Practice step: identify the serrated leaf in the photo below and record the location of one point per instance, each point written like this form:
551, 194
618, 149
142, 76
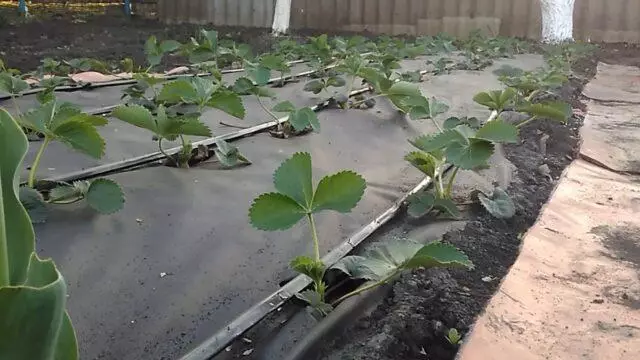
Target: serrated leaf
12, 84
33, 202
243, 86
429, 143
420, 204
454, 122
360, 267
81, 136
314, 299
308, 266
471, 155
274, 62
340, 192
303, 118
169, 46
446, 206
285, 106
260, 74
194, 127
496, 99
228, 102
274, 211
229, 155
294, 179
314, 86
105, 196
65, 194
499, 204
554, 110
437, 108
135, 115
425, 162
437, 254
177, 91
336, 81
498, 131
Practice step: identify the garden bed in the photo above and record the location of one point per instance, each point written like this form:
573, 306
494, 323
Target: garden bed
181, 260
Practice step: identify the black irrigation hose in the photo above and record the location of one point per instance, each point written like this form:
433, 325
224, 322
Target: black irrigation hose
71, 88
219, 341
110, 168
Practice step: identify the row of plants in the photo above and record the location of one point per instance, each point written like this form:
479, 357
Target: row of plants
34, 291
172, 110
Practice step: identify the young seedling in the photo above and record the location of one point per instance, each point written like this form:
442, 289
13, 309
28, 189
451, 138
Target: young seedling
32, 291
453, 337
296, 198
532, 84
277, 63
299, 121
155, 50
320, 56
65, 123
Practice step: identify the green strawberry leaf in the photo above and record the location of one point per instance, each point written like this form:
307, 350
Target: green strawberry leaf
471, 155
340, 192
420, 204
425, 162
285, 106
11, 84
314, 299
194, 127
447, 206
308, 266
314, 86
430, 143
135, 115
294, 179
81, 136
105, 196
178, 91
437, 254
274, 211
229, 155
260, 74
499, 204
229, 102
303, 118
554, 110
498, 131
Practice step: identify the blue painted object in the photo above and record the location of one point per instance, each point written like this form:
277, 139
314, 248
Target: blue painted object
22, 8
127, 7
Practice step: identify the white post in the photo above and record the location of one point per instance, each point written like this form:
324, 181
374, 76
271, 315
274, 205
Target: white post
557, 20
281, 17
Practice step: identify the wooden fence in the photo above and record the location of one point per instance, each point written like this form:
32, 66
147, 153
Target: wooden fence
595, 20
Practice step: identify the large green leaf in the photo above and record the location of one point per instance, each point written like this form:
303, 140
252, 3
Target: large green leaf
404, 95
192, 126
32, 291
420, 204
81, 136
229, 102
105, 196
471, 155
304, 118
294, 179
429, 143
16, 231
496, 99
386, 259
554, 110
498, 131
285, 106
437, 254
308, 266
340, 192
135, 115
229, 155
273, 211
178, 91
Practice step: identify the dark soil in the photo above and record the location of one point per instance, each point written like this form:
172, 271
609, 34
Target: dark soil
108, 37
412, 322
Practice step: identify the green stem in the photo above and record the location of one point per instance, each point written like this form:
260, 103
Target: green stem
349, 89
436, 124
163, 152
314, 236
276, 118
16, 106
36, 162
450, 185
4, 253
183, 160
526, 122
362, 289
372, 97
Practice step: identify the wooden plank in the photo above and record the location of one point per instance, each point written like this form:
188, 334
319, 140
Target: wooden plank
329, 16
193, 7
435, 10
519, 18
417, 11
245, 13
534, 21
219, 12
355, 11
400, 16
313, 10
485, 8
631, 22
465, 7
342, 13
370, 13
450, 10
232, 13
385, 12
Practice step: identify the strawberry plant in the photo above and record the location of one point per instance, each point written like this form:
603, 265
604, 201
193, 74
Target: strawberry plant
65, 123
466, 144
296, 198
532, 84
33, 292
174, 112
